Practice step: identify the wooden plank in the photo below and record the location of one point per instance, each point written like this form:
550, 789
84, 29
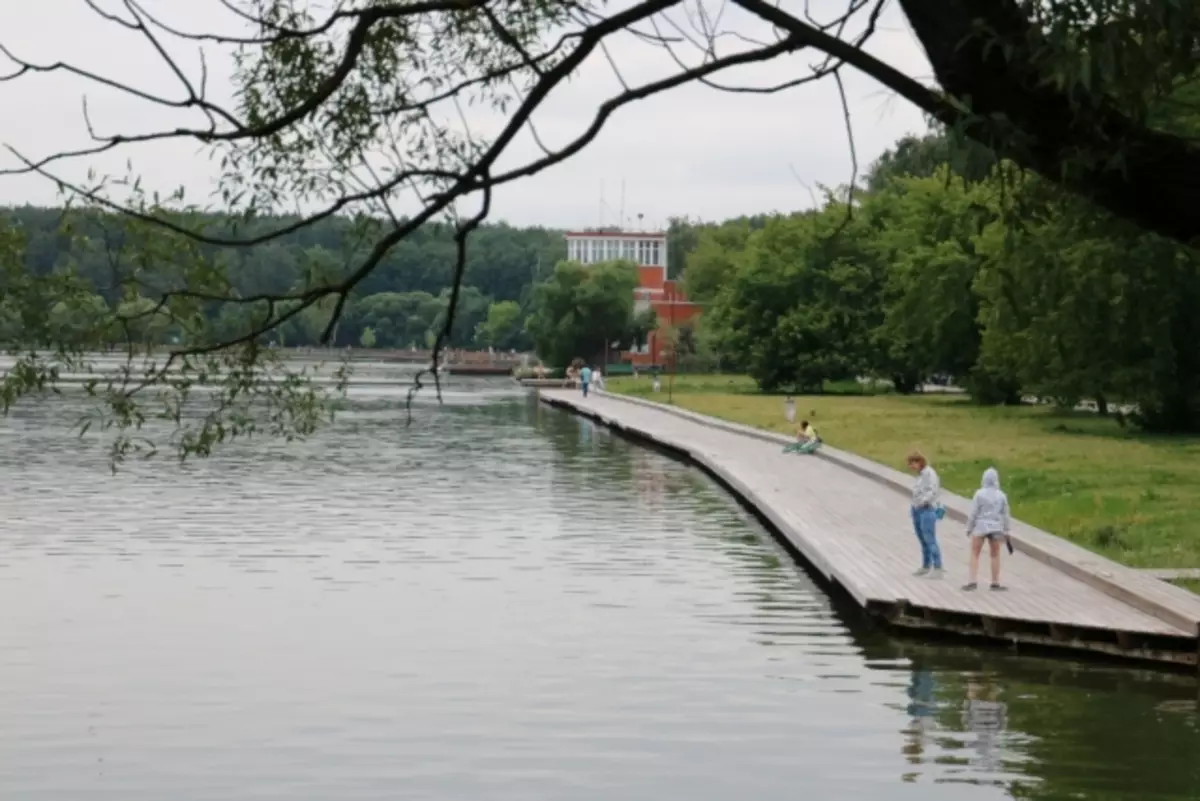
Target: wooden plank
855, 530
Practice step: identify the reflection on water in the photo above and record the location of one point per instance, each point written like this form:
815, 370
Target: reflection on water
500, 602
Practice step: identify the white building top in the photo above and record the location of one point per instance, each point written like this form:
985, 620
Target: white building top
644, 249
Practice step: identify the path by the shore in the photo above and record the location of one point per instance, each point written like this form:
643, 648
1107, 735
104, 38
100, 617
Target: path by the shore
848, 518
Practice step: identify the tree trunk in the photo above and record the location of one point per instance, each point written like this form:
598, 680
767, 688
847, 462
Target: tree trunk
1073, 140
905, 384
1101, 405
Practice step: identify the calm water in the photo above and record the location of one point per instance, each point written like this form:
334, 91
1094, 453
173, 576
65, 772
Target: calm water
499, 602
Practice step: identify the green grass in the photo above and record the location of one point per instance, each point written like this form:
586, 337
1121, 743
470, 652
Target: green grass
1134, 498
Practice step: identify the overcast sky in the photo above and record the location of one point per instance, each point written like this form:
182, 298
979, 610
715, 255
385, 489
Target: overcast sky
692, 152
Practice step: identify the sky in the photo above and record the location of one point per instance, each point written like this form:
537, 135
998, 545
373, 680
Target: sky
692, 152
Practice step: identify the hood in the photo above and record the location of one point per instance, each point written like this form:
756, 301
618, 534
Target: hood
991, 479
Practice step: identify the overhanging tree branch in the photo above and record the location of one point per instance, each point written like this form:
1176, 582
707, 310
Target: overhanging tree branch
342, 112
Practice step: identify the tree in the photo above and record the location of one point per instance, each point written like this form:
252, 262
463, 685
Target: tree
471, 308
941, 151
581, 310
691, 350
367, 338
801, 307
644, 322
711, 263
504, 328
923, 230
341, 110
1081, 305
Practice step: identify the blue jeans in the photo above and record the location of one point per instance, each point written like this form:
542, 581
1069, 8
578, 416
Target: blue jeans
584, 385
925, 525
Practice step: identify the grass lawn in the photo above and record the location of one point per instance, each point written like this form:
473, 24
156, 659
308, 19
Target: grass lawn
1134, 498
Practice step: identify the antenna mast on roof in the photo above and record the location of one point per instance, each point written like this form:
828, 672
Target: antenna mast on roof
621, 215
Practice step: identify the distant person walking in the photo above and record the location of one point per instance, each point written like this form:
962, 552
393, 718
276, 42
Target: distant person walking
585, 378
598, 380
789, 409
988, 521
657, 383
925, 496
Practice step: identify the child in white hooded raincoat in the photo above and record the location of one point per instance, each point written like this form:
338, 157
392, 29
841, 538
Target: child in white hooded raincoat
988, 522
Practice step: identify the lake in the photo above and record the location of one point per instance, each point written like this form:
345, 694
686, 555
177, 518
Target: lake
499, 601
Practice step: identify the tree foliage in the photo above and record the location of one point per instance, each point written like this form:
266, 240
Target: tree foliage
580, 311
1005, 282
791, 313
504, 328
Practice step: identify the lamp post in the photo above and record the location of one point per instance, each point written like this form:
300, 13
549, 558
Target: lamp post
673, 344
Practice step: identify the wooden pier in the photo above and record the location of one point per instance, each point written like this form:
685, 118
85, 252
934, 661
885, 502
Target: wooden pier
847, 519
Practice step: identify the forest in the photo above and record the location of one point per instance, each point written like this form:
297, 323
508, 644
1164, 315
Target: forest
401, 304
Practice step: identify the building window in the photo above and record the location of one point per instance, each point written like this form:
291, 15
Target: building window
641, 251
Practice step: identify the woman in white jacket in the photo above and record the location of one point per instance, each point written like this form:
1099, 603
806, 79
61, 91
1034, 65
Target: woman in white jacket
989, 521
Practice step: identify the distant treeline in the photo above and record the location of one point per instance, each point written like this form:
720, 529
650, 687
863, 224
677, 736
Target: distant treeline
401, 303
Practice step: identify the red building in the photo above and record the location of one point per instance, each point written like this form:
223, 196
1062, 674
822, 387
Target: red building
654, 291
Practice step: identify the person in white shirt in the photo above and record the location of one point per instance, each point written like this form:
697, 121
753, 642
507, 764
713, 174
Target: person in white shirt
925, 496
597, 380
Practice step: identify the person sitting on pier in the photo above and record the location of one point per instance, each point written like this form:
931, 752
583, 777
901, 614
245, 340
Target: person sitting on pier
989, 520
807, 439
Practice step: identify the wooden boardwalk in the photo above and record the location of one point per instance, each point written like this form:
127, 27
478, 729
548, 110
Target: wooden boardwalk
848, 519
